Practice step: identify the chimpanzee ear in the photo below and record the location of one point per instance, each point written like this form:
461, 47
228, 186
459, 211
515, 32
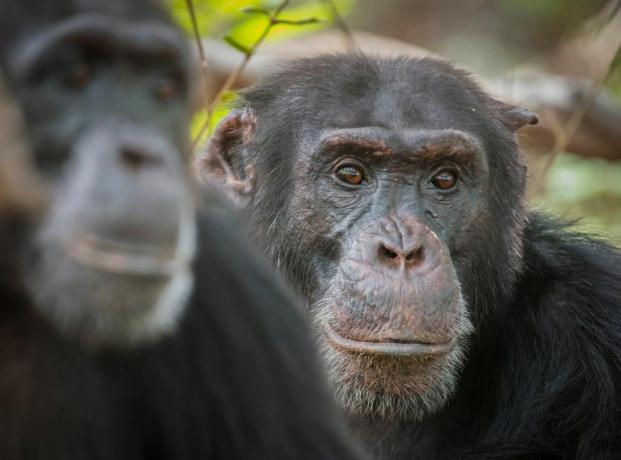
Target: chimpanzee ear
224, 162
514, 117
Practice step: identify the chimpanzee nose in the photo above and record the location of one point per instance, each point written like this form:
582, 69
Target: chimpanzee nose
136, 157
408, 255
398, 247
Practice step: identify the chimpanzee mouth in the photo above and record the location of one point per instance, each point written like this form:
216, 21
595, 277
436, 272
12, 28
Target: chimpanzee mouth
387, 347
124, 259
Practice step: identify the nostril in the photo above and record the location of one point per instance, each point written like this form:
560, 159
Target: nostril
135, 158
414, 257
394, 257
388, 253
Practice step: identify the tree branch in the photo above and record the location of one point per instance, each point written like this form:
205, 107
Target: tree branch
201, 53
350, 42
566, 134
248, 52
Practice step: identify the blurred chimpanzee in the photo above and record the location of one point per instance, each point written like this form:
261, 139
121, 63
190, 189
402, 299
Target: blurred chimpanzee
454, 323
134, 323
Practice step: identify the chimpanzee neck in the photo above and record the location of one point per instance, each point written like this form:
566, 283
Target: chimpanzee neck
393, 439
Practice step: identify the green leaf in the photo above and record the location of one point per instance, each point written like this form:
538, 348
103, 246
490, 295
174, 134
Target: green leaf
299, 22
254, 10
235, 44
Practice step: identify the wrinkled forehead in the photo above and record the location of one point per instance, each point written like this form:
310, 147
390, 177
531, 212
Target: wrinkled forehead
395, 107
394, 100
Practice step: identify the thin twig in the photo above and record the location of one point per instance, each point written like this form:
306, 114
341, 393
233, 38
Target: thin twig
350, 42
566, 135
201, 53
234, 76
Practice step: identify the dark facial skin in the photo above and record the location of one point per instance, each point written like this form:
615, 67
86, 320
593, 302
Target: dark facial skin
105, 105
373, 193
392, 311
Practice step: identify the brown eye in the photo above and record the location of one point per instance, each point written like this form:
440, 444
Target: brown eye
445, 179
78, 76
167, 90
350, 174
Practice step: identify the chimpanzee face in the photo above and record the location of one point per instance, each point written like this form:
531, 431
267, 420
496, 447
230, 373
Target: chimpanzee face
105, 103
393, 204
387, 180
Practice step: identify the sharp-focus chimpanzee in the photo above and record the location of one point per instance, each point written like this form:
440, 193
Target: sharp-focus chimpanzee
134, 323
454, 323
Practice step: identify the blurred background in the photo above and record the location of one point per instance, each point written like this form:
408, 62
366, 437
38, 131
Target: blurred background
559, 58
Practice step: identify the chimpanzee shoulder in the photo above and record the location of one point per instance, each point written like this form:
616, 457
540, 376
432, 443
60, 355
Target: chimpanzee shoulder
557, 356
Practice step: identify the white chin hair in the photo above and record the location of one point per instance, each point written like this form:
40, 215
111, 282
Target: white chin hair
107, 309
357, 399
167, 311
440, 378
174, 297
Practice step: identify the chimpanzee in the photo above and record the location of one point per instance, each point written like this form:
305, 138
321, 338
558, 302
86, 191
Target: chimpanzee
454, 323
134, 321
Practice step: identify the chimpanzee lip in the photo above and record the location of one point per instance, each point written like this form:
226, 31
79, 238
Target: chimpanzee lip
119, 258
390, 348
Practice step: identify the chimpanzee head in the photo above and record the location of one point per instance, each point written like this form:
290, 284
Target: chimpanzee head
103, 87
389, 193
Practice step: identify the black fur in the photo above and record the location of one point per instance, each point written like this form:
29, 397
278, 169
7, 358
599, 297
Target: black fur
239, 379
542, 377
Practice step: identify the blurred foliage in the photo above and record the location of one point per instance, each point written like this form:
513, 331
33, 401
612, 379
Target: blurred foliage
486, 35
613, 82
221, 18
586, 190
217, 18
219, 112
548, 21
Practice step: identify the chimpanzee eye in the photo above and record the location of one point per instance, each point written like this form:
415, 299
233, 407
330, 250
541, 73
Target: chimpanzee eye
350, 174
167, 89
444, 179
77, 76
